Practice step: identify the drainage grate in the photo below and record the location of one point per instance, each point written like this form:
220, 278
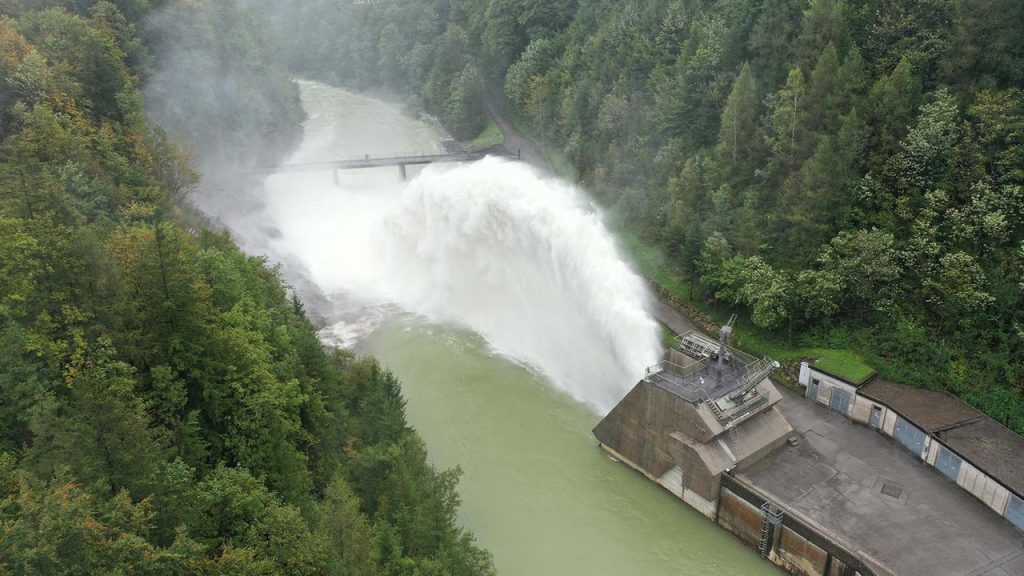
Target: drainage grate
892, 490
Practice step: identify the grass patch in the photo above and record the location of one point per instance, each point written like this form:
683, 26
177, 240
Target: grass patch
652, 263
668, 337
564, 167
842, 363
491, 136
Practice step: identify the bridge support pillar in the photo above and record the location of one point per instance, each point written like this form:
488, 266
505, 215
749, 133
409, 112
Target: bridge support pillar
334, 173
401, 170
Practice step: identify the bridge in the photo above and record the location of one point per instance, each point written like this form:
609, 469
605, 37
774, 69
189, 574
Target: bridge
368, 161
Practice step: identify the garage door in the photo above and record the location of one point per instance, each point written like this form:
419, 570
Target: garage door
840, 401
948, 463
1015, 512
910, 436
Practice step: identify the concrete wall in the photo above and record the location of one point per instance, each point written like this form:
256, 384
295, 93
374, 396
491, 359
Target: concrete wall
828, 383
638, 427
983, 488
931, 451
673, 482
861, 408
739, 517
797, 547
889, 424
797, 555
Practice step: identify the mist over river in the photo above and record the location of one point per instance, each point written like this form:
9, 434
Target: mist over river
500, 300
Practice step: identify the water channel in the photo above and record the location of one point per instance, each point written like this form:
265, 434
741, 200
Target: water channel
500, 301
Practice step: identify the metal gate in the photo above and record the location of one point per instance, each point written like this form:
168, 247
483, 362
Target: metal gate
910, 436
948, 463
840, 401
812, 390
1015, 511
876, 416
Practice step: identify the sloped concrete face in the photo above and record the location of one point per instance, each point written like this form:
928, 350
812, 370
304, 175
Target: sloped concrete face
657, 431
704, 462
638, 428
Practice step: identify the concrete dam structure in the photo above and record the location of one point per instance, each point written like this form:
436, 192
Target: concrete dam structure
700, 417
811, 490
706, 409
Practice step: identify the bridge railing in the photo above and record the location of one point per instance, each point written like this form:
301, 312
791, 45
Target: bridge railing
369, 161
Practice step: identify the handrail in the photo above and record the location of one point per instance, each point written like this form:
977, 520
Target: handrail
368, 161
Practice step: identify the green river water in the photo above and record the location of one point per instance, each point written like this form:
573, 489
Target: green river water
536, 490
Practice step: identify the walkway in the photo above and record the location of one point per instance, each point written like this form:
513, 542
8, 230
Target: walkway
516, 142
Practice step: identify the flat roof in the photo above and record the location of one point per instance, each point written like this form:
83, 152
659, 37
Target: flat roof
929, 410
834, 478
992, 447
988, 445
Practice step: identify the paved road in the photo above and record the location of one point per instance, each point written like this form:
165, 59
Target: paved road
671, 318
517, 143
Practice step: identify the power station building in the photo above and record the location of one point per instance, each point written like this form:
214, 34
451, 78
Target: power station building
980, 455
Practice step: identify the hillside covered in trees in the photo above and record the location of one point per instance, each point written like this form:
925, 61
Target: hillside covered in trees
846, 172
165, 405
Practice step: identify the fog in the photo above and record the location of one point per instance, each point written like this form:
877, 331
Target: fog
522, 259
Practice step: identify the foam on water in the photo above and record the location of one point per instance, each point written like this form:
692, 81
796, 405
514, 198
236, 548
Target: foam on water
522, 260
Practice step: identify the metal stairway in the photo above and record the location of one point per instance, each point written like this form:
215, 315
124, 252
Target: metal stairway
771, 517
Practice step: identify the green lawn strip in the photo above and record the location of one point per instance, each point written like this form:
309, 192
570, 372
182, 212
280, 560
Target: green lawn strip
842, 363
491, 136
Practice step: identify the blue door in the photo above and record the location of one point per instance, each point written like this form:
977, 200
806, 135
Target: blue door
1015, 512
840, 401
948, 463
910, 436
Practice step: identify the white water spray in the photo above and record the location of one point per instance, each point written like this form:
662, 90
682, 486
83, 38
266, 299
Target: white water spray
522, 260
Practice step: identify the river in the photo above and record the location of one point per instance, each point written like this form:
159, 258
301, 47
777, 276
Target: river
498, 298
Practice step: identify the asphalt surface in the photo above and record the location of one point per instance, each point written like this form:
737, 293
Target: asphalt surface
922, 524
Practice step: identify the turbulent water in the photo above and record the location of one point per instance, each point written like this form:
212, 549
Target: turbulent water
501, 302
521, 260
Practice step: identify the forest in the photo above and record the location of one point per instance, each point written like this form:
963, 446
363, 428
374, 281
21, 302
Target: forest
165, 404
846, 174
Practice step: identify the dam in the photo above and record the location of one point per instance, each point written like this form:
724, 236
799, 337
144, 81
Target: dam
801, 483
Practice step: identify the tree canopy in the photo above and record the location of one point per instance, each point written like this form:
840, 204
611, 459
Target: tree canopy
165, 405
802, 132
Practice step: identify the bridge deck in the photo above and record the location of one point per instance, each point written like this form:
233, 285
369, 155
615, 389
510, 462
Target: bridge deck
374, 162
